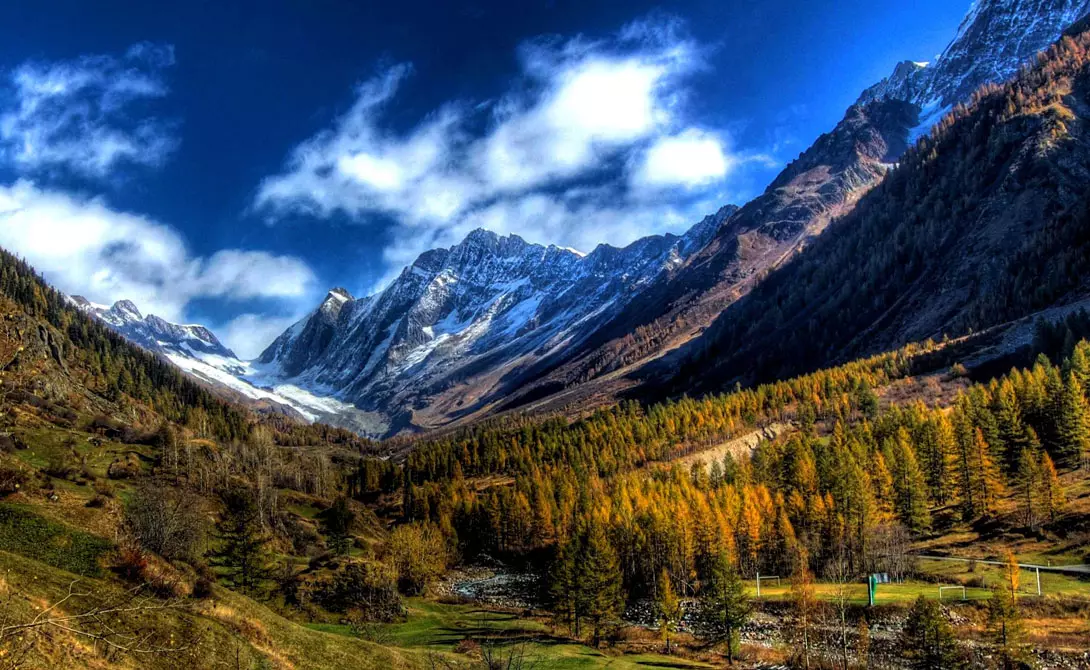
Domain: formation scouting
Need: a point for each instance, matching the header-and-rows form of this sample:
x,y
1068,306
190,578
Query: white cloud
x,y
578,151
79,114
249,334
593,104
85,247
692,158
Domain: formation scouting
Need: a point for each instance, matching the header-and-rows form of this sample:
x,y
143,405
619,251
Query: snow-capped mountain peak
x,y
489,306
154,333
994,40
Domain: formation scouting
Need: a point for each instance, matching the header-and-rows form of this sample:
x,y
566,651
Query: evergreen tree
x,y
804,610
1029,487
1052,492
1006,628
563,588
669,608
1072,429
1079,363
910,485
242,541
337,523
1012,430
927,639
726,606
598,578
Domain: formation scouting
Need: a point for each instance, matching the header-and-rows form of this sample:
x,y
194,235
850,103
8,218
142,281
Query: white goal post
x,y
765,577
947,588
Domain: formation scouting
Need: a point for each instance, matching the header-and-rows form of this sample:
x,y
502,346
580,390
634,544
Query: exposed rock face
x,y
153,333
995,38
983,225
472,318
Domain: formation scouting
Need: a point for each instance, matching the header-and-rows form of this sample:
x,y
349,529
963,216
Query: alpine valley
x,y
844,425
498,323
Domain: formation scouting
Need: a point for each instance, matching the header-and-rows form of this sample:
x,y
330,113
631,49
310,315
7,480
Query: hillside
x,y
983,222
995,38
461,328
201,539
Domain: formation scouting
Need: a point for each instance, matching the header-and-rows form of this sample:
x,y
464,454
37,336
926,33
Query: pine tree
x,y
337,523
1005,624
1052,492
927,639
910,486
726,606
979,478
598,580
882,485
1072,429
242,541
1029,486
1079,363
563,588
804,609
1012,430
945,467
669,608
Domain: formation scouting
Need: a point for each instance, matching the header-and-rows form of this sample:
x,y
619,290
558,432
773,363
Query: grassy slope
x,y
438,628
52,539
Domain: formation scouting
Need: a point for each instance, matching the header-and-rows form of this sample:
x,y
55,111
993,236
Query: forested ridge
x,y
851,480
114,368
985,220
827,477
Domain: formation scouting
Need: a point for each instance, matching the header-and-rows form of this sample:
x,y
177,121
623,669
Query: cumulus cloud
x,y
85,247
692,158
249,334
580,150
88,115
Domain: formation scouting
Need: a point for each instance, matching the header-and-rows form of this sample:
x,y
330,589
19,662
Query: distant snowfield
x,y
252,381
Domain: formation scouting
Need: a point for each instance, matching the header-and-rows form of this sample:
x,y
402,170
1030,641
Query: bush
x,y
469,647
12,480
367,590
155,574
65,465
418,552
103,488
202,587
167,521
96,502
124,468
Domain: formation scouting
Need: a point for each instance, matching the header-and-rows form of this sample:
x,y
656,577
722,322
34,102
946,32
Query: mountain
x,y
496,323
460,327
195,350
994,40
823,183
986,221
155,334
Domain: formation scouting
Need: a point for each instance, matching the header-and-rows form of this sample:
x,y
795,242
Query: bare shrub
x,y
167,521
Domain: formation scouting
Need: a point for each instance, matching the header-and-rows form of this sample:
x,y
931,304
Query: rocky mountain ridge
x,y
457,328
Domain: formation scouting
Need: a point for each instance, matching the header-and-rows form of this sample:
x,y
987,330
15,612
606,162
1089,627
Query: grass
x,y
24,532
438,628
905,592
1052,583
228,630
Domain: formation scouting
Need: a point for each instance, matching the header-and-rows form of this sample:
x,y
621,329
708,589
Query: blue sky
x,y
226,163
